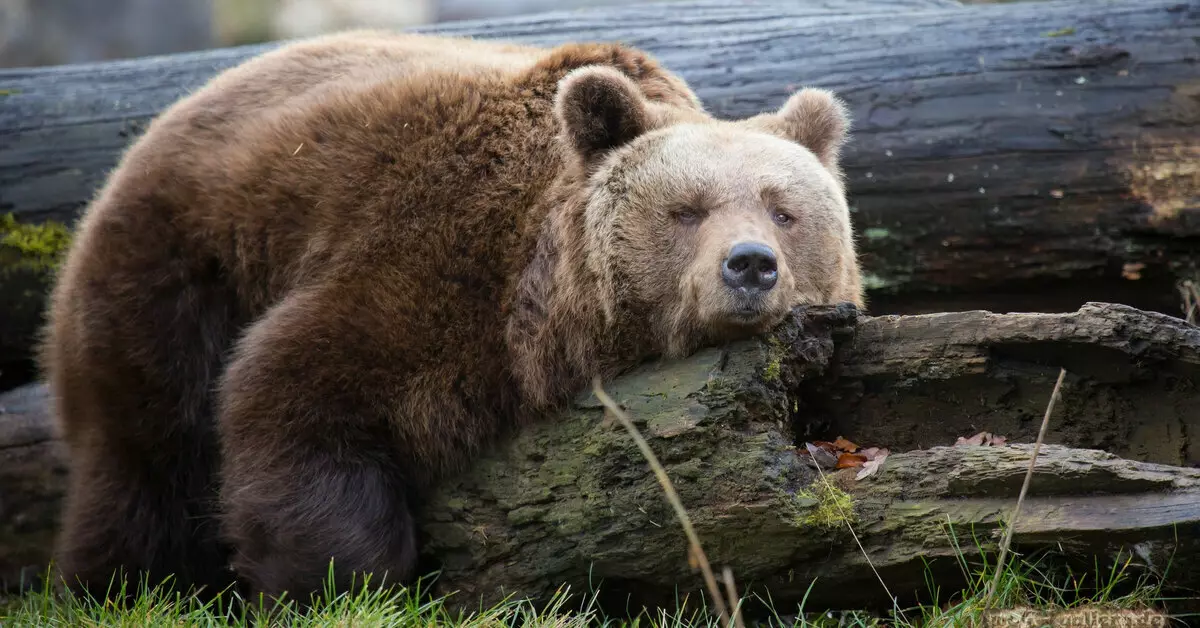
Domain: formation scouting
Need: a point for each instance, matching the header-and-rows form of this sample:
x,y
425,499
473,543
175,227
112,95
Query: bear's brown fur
x,y
337,272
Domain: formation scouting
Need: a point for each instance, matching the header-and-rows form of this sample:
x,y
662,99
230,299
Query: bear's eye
x,y
780,218
687,216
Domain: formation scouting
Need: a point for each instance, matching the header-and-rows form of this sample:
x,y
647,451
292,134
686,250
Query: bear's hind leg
x,y
131,353
123,526
288,520
311,471
97,548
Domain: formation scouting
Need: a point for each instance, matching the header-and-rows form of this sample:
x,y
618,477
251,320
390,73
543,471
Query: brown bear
x,y
339,271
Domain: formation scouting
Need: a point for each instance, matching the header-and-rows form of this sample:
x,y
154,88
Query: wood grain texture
x,y
33,474
456,10
570,501
965,372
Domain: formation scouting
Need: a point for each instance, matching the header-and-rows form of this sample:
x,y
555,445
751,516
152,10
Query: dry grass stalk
x,y
846,517
1190,290
1080,616
696,550
1012,524
731,592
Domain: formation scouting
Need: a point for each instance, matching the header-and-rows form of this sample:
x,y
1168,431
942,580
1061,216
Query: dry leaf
x,y
820,456
847,461
871,466
986,439
844,454
973,441
845,445
1132,271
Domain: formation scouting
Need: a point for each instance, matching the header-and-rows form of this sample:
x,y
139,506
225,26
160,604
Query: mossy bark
x,y
29,257
572,502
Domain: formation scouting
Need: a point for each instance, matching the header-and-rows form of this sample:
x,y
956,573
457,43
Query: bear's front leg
x,y
311,465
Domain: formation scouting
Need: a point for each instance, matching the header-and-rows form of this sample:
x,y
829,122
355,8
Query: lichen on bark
x,y
30,255
38,248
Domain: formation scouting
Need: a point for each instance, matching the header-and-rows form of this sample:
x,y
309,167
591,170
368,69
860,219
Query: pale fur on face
x,y
672,192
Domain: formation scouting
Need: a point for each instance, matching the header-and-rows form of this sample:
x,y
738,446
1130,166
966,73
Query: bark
x,y
46,32
1023,156
456,10
571,501
33,474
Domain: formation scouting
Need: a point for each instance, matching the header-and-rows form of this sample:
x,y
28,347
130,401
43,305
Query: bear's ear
x,y
599,109
816,119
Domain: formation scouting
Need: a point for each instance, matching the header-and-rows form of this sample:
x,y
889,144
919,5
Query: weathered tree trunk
x,y
1024,156
51,32
458,10
571,501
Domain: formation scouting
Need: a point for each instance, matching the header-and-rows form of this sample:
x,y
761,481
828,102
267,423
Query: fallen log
x,y
1024,156
571,501
71,31
462,10
950,374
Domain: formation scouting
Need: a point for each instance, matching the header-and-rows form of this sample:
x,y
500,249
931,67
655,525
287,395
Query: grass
x,y
1039,582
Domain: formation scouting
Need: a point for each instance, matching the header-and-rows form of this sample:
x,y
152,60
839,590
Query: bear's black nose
x,y
750,266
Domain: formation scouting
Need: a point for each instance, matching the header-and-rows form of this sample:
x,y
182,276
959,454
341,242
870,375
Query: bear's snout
x,y
750,268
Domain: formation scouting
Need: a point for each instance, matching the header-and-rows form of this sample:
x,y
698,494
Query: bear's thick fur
x,y
337,272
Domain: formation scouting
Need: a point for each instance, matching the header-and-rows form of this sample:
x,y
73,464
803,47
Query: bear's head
x,y
702,230
670,230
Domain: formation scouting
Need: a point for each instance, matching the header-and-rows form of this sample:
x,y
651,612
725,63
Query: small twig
x,y
693,540
1012,523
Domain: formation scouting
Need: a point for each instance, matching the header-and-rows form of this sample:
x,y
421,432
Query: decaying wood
x,y
1030,155
571,501
33,475
1132,389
